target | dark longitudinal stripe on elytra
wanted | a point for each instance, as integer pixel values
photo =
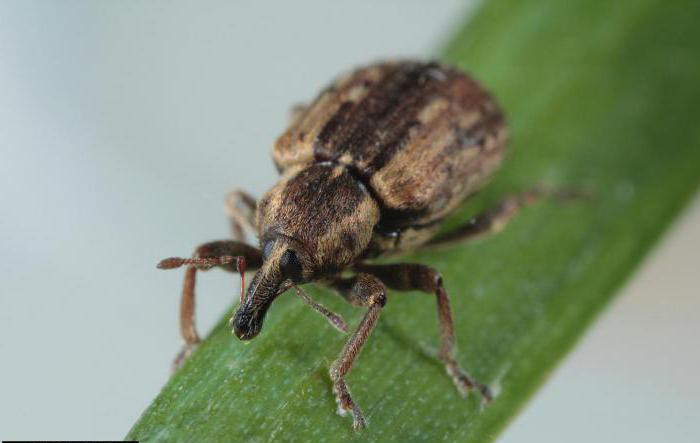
(346, 118)
(404, 117)
(376, 127)
(379, 135)
(382, 132)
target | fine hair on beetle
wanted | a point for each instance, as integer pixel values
(369, 168)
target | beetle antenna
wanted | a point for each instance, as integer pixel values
(208, 263)
(240, 267)
(199, 263)
(334, 319)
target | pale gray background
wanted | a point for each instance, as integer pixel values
(123, 124)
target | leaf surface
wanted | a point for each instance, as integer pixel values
(602, 96)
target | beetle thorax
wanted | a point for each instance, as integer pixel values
(325, 210)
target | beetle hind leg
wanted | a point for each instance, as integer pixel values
(495, 219)
(407, 277)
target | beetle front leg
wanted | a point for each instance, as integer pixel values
(240, 207)
(407, 277)
(229, 255)
(296, 112)
(361, 290)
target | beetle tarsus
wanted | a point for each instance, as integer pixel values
(347, 405)
(465, 384)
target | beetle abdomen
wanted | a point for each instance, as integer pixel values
(421, 136)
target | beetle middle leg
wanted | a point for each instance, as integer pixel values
(361, 290)
(232, 256)
(407, 277)
(240, 207)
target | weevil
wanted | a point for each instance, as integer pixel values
(369, 168)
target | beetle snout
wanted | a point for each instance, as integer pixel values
(249, 318)
(246, 325)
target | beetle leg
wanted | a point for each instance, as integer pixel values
(361, 290)
(296, 111)
(496, 218)
(334, 319)
(407, 277)
(229, 255)
(240, 207)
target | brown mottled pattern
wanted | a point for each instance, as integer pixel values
(421, 136)
(316, 207)
(296, 145)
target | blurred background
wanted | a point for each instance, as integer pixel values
(122, 126)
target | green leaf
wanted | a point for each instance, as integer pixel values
(602, 96)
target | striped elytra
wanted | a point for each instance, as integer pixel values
(419, 137)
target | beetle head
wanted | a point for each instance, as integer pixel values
(316, 221)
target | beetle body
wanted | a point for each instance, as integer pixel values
(370, 167)
(419, 136)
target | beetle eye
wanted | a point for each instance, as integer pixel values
(267, 249)
(290, 266)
